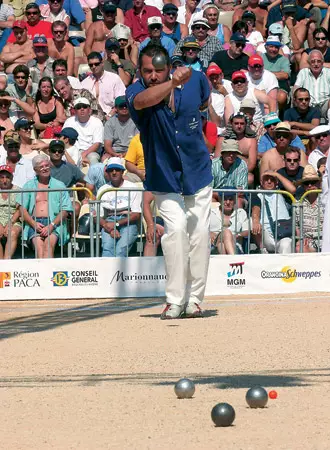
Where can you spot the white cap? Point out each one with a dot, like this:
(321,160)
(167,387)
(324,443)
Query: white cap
(273,40)
(115,163)
(81,101)
(155,20)
(275,28)
(121,31)
(320,130)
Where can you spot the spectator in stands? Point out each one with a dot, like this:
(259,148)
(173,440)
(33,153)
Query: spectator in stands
(321,43)
(7,18)
(137,17)
(24,127)
(5,120)
(229,169)
(276,29)
(171,27)
(190,53)
(10,225)
(88,127)
(310,228)
(155,28)
(122,67)
(220,88)
(74,10)
(261,79)
(241,28)
(54,11)
(321,135)
(59,48)
(253,36)
(96,177)
(45,214)
(189,12)
(155,225)
(273,158)
(97,7)
(21,166)
(229,225)
(128,48)
(23,90)
(69,95)
(253,129)
(134,161)
(267,141)
(242,91)
(62,170)
(35,25)
(291,172)
(42,64)
(316,80)
(69,137)
(280,66)
(253,6)
(119,130)
(233,59)
(98,32)
(50,111)
(3,81)
(20,50)
(105,86)
(211,14)
(321,166)
(209,45)
(210,133)
(60,69)
(120,212)
(267,210)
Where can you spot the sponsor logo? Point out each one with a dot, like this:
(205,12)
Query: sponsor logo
(235,277)
(5,278)
(25,279)
(137,278)
(75,278)
(289,274)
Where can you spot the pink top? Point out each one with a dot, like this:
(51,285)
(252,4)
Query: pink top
(249,48)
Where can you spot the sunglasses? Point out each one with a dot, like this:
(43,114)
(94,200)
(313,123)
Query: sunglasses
(29,128)
(310,183)
(303,99)
(171,14)
(257,66)
(122,107)
(200,27)
(155,27)
(239,81)
(320,38)
(4,104)
(13,147)
(81,107)
(279,135)
(32,13)
(55,1)
(322,135)
(94,64)
(57,150)
(58,31)
(239,44)
(20,77)
(292,160)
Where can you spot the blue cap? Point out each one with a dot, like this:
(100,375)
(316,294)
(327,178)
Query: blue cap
(231,191)
(111,43)
(68,132)
(40,41)
(23,123)
(56,143)
(238,37)
(176,59)
(169,7)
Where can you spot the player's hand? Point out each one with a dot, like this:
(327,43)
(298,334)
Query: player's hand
(181,76)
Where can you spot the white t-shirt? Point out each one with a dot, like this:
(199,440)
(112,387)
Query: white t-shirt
(23,170)
(267,82)
(125,200)
(88,133)
(75,155)
(157,3)
(236,102)
(238,221)
(255,38)
(314,156)
(198,14)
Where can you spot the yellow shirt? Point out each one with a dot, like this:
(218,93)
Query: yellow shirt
(134,153)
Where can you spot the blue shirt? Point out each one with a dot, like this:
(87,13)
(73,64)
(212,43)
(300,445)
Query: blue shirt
(266,143)
(72,8)
(175,154)
(95,176)
(166,42)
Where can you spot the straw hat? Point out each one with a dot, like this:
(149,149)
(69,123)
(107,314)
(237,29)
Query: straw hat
(309,174)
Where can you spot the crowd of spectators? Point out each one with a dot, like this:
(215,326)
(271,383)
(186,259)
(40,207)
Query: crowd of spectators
(64,121)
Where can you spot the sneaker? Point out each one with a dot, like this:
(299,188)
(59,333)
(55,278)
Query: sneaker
(193,311)
(172,312)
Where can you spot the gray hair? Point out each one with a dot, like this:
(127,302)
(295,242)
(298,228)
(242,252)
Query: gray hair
(315,52)
(38,159)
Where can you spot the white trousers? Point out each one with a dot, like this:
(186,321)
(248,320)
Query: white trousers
(282,245)
(186,244)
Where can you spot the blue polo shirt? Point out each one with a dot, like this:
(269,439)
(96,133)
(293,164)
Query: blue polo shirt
(266,143)
(175,154)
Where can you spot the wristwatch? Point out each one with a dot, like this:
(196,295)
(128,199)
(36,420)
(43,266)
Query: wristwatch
(120,66)
(52,223)
(117,224)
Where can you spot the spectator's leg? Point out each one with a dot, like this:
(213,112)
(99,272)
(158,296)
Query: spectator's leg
(38,244)
(11,243)
(282,99)
(128,235)
(3,39)
(228,241)
(269,242)
(198,209)
(175,245)
(284,245)
(108,245)
(1,251)
(49,246)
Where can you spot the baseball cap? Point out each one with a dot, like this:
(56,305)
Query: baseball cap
(273,40)
(248,103)
(32,5)
(115,163)
(249,15)
(81,101)
(40,41)
(111,43)
(176,59)
(109,7)
(121,31)
(200,22)
(238,74)
(56,143)
(270,119)
(68,132)
(320,130)
(169,7)
(255,59)
(23,123)
(275,28)
(155,20)
(283,127)
(12,136)
(289,6)
(230,191)
(190,42)
(210,5)
(213,70)
(6,168)
(20,24)
(238,37)
(230,145)
(120,101)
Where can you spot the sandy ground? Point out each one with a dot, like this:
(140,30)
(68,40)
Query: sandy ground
(100,374)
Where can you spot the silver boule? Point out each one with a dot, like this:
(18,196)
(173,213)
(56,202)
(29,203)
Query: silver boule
(159,61)
(184,388)
(223,415)
(257,397)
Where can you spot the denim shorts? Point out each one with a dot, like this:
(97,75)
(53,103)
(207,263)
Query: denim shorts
(32,233)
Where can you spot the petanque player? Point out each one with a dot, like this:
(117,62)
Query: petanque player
(166,108)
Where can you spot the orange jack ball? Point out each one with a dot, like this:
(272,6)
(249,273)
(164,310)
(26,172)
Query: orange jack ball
(272,395)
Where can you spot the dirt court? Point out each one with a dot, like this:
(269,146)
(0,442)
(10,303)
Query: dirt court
(100,374)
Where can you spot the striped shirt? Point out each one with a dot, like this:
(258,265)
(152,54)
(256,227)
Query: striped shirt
(5,12)
(236,176)
(312,225)
(319,88)
(211,45)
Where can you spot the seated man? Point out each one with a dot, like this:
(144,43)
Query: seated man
(253,6)
(71,151)
(119,130)
(291,173)
(60,48)
(45,214)
(121,67)
(321,42)
(10,224)
(136,19)
(54,11)
(211,12)
(24,90)
(134,161)
(19,51)
(220,88)
(99,31)
(119,212)
(7,16)
(261,79)
(42,64)
(96,177)
(233,59)
(321,134)
(60,69)
(155,27)
(273,158)
(171,27)
(190,53)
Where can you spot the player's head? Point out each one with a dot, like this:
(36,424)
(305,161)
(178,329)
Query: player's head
(154,64)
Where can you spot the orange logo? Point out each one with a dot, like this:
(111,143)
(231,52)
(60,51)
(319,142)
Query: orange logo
(5,278)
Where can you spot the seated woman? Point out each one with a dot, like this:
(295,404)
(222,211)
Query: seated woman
(45,213)
(50,111)
(229,225)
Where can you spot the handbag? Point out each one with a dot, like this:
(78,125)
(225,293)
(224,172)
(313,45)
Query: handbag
(282,228)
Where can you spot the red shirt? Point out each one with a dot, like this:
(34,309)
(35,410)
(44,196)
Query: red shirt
(138,22)
(211,132)
(42,27)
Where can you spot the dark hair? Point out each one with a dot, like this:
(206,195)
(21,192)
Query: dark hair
(59,63)
(95,55)
(59,23)
(152,50)
(239,25)
(292,149)
(21,68)
(42,80)
(301,89)
(321,161)
(4,94)
(320,30)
